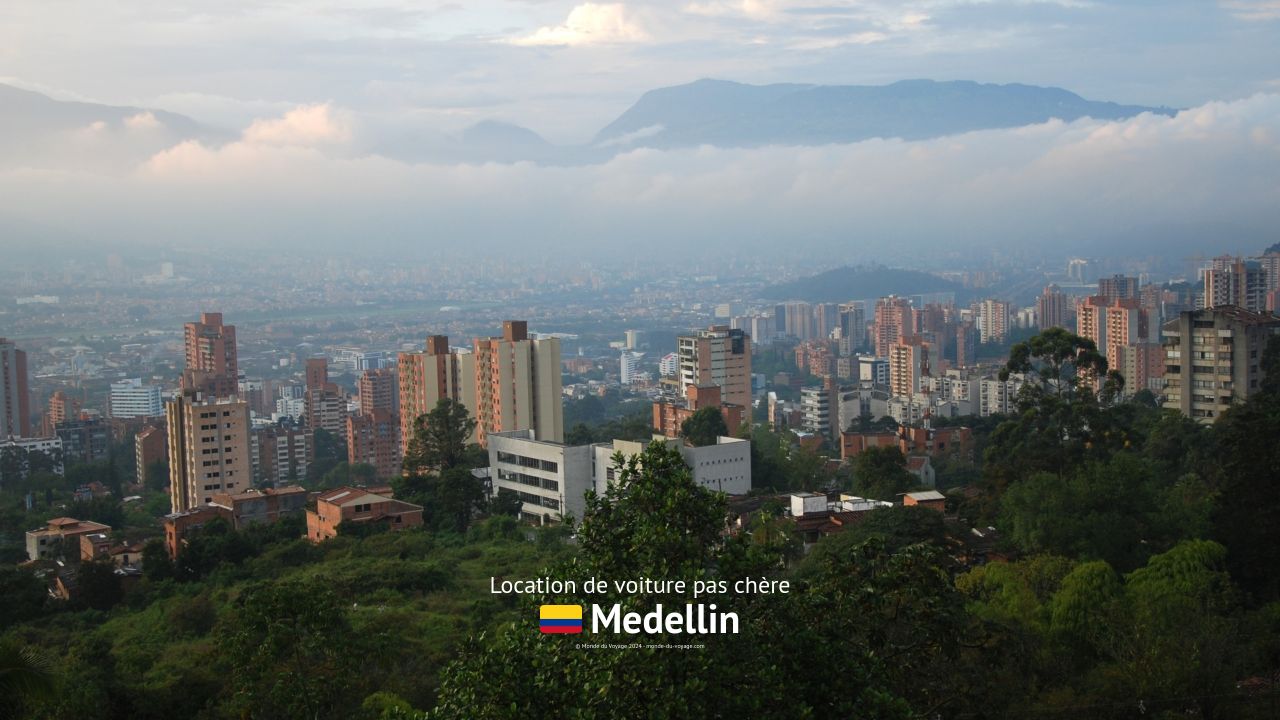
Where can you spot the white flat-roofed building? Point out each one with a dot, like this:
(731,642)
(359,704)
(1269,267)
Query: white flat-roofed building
(131,398)
(723,467)
(551,478)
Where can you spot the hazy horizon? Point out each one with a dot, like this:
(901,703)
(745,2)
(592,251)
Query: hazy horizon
(330,119)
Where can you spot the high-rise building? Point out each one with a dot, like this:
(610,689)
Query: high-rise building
(131,399)
(1139,364)
(1118,287)
(966,344)
(1126,325)
(378,391)
(15,398)
(853,324)
(212,365)
(430,375)
(1270,263)
(280,455)
(84,440)
(317,373)
(797,320)
(1051,308)
(717,356)
(325,406)
(635,338)
(669,365)
(893,319)
(994,326)
(629,367)
(518,384)
(373,438)
(1242,283)
(825,320)
(1213,358)
(908,363)
(209,448)
(873,370)
(61,408)
(1091,320)
(149,447)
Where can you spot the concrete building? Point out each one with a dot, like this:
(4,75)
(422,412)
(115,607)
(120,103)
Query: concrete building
(819,416)
(374,439)
(1242,283)
(550,478)
(1212,359)
(379,390)
(909,362)
(1118,287)
(150,445)
(669,414)
(430,375)
(999,397)
(893,319)
(344,505)
(994,321)
(209,448)
(280,454)
(853,324)
(1142,366)
(212,362)
(629,367)
(873,370)
(84,440)
(966,344)
(49,542)
(61,408)
(259,506)
(130,399)
(794,319)
(717,356)
(669,366)
(325,407)
(1052,308)
(724,467)
(49,447)
(15,396)
(518,384)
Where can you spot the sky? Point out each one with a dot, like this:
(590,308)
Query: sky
(303,89)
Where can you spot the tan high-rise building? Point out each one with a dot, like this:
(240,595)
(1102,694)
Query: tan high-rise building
(518,385)
(1126,325)
(1118,287)
(317,373)
(61,409)
(209,449)
(1051,308)
(373,438)
(1213,357)
(995,321)
(1240,283)
(15,397)
(426,377)
(893,319)
(1091,320)
(717,356)
(378,391)
(908,363)
(212,365)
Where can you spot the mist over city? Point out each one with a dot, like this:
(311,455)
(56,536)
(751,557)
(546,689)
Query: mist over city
(437,360)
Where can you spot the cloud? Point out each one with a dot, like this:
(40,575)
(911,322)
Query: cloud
(308,125)
(1253,10)
(589,24)
(1051,188)
(145,120)
(631,137)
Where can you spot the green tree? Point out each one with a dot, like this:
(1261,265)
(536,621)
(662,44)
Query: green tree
(704,426)
(881,473)
(439,438)
(22,595)
(26,679)
(99,586)
(505,502)
(294,653)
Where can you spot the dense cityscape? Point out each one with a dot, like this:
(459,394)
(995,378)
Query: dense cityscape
(639,359)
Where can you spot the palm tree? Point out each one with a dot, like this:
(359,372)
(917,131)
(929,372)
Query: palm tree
(26,677)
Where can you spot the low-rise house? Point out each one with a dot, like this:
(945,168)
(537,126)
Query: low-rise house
(354,505)
(921,467)
(931,499)
(49,542)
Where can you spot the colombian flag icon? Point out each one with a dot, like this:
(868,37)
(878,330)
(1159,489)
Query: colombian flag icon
(560,618)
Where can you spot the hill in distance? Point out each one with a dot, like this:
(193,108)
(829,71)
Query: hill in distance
(858,283)
(729,114)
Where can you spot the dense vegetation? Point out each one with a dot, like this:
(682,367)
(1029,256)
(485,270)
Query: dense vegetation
(1141,581)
